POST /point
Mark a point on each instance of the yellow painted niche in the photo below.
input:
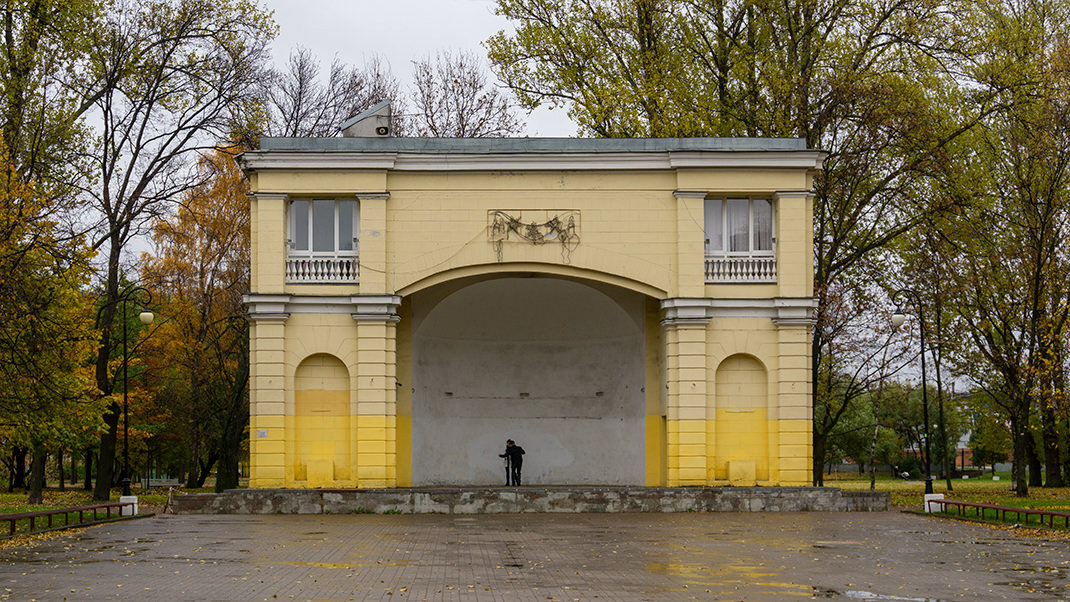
(321, 437)
(740, 429)
(320, 425)
(741, 447)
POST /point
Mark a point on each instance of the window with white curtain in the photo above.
(739, 226)
(324, 226)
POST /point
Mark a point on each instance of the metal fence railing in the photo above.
(34, 522)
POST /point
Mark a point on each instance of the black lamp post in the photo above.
(898, 317)
(146, 318)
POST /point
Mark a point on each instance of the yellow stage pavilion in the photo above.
(630, 311)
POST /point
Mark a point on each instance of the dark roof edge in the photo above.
(531, 145)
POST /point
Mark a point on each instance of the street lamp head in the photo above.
(146, 317)
(898, 317)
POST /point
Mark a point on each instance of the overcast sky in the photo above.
(399, 31)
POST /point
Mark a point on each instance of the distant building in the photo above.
(630, 311)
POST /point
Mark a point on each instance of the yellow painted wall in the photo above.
(404, 401)
(628, 230)
(631, 226)
(655, 412)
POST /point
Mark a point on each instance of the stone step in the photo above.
(483, 500)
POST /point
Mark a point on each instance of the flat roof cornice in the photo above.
(484, 154)
(529, 145)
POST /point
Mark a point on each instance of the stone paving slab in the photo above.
(540, 557)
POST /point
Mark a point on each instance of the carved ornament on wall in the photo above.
(536, 227)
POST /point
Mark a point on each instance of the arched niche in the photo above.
(741, 421)
(322, 433)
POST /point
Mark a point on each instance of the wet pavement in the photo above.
(541, 557)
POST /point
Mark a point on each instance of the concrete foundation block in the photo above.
(556, 500)
(933, 507)
(129, 510)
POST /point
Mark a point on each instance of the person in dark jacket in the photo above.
(515, 453)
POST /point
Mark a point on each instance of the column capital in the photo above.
(795, 311)
(376, 308)
(268, 196)
(361, 307)
(266, 308)
(690, 194)
(685, 311)
(783, 311)
(806, 195)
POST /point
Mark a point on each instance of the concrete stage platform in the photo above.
(496, 500)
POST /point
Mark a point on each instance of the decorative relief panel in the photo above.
(536, 227)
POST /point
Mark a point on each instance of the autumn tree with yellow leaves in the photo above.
(47, 335)
(200, 353)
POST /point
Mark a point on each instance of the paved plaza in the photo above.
(540, 557)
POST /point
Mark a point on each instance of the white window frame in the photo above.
(291, 241)
(722, 202)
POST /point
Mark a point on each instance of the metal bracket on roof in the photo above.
(374, 122)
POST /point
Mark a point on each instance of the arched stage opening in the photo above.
(554, 363)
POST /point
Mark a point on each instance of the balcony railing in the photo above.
(722, 269)
(330, 269)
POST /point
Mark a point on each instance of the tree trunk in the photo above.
(88, 485)
(206, 468)
(194, 461)
(105, 319)
(1021, 484)
(945, 452)
(1035, 477)
(819, 460)
(74, 468)
(9, 464)
(1053, 470)
(106, 457)
(37, 475)
(19, 455)
(59, 469)
(819, 437)
(227, 473)
(1066, 464)
(233, 433)
(873, 443)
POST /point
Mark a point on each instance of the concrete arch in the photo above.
(322, 433)
(554, 363)
(741, 419)
(548, 269)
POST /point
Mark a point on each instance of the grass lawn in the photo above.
(910, 493)
(54, 499)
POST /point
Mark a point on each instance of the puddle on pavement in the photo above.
(755, 578)
(863, 595)
(348, 565)
(700, 574)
